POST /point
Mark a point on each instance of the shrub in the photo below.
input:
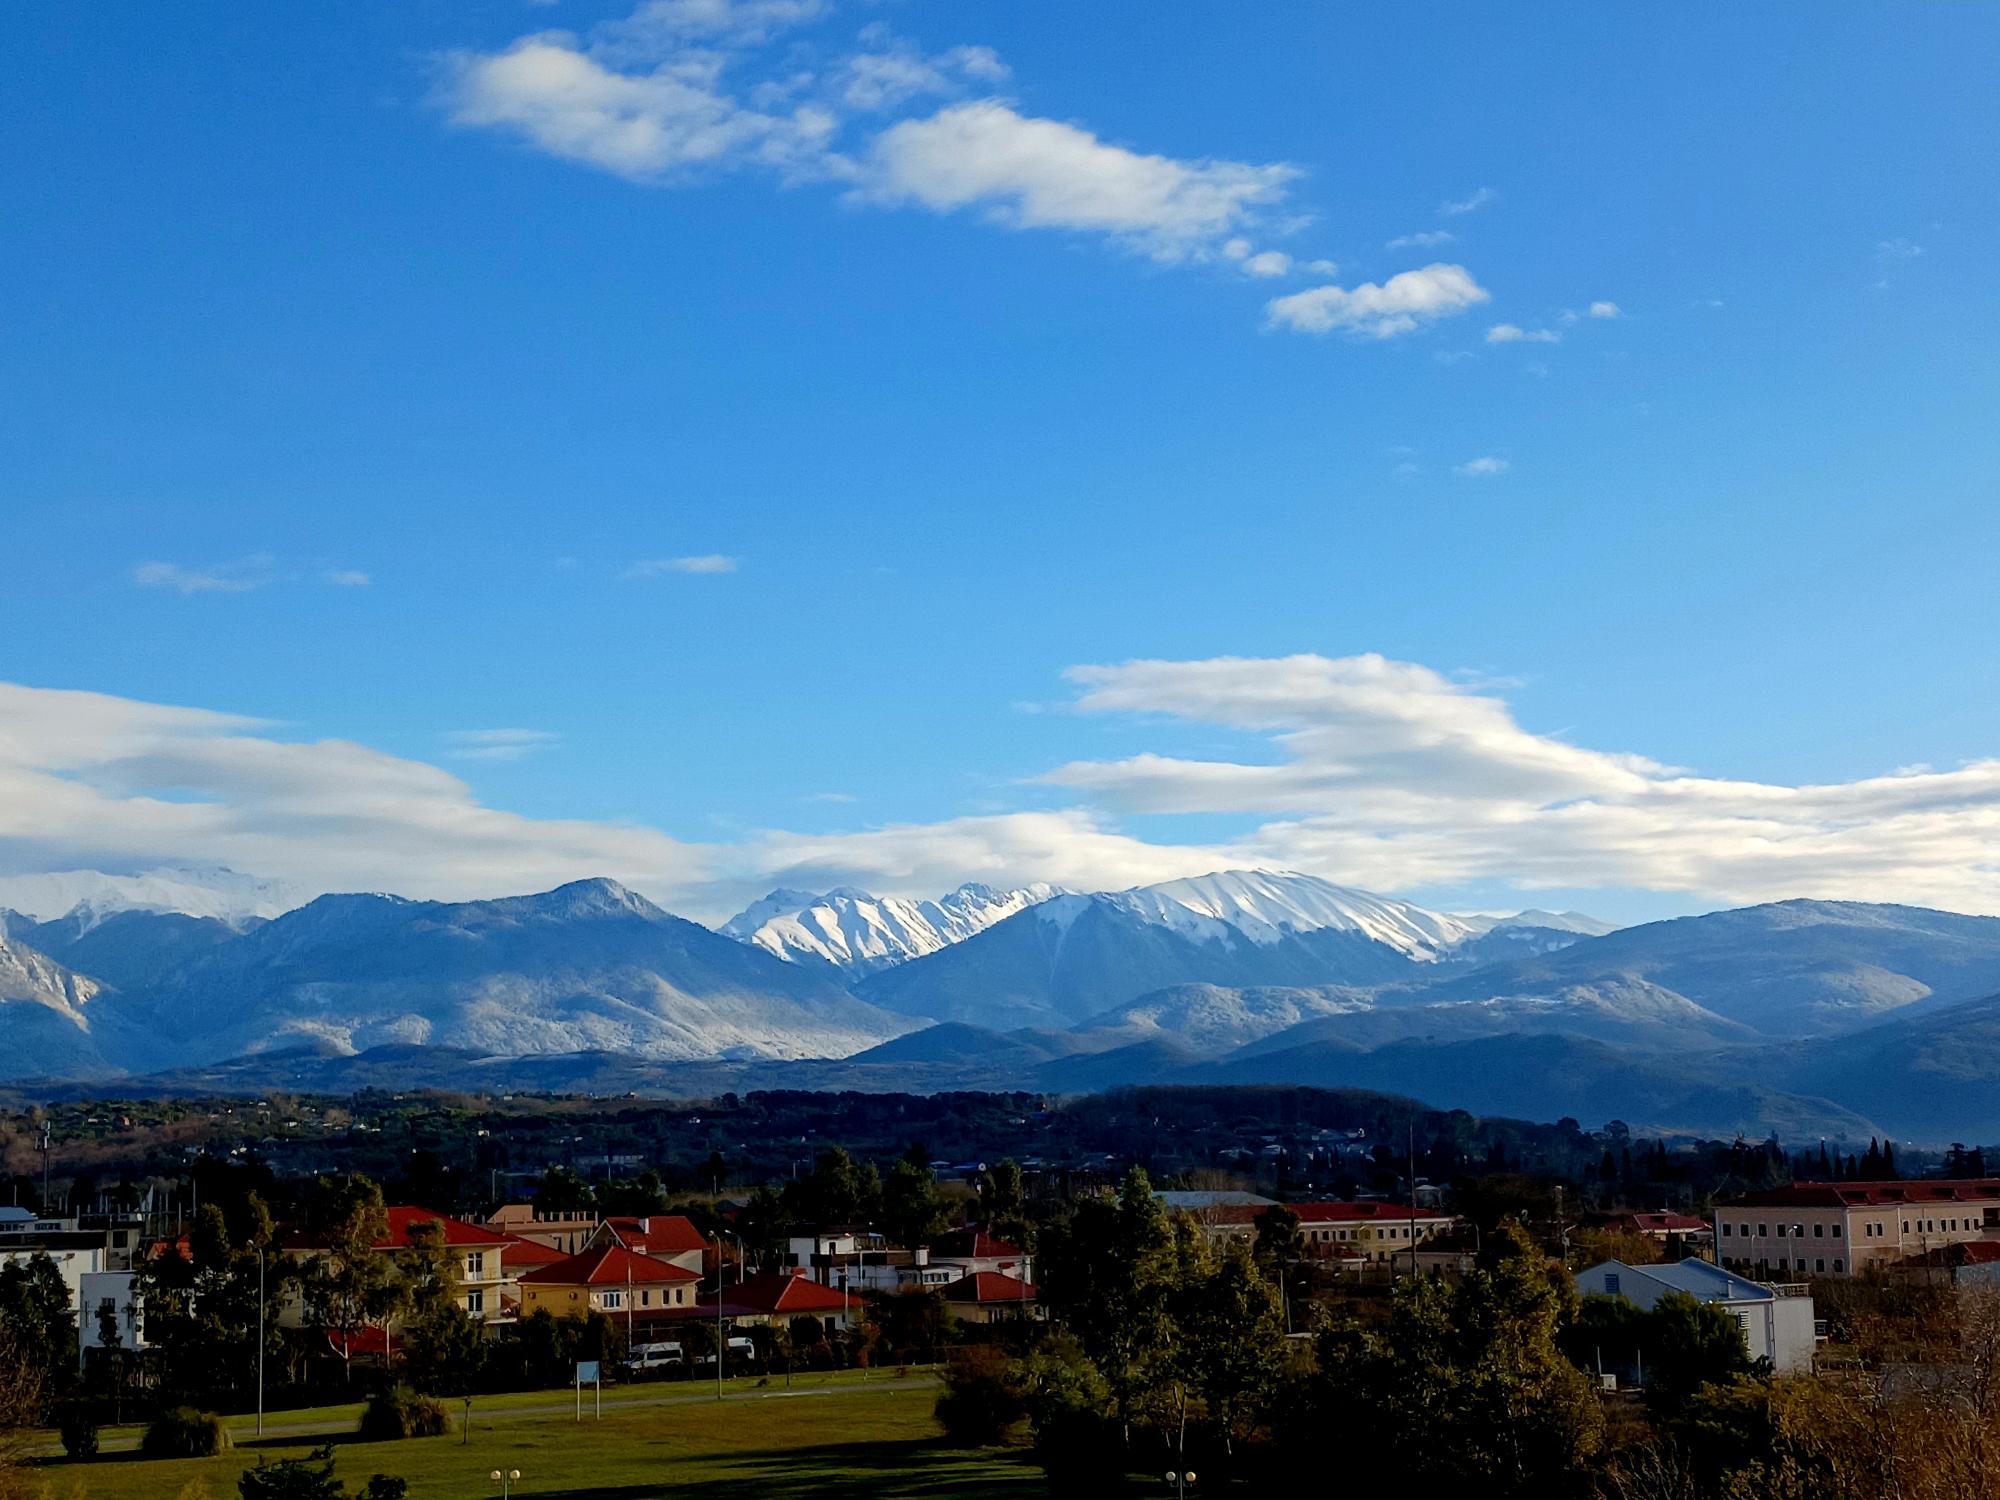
(981, 1398)
(79, 1431)
(292, 1479)
(401, 1413)
(385, 1487)
(185, 1433)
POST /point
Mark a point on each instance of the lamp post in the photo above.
(506, 1479)
(260, 1341)
(719, 1347)
(1180, 1479)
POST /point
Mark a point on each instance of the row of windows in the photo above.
(1797, 1263)
(1796, 1231)
(614, 1299)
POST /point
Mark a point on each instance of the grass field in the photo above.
(830, 1436)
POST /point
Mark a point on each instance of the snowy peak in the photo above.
(1580, 923)
(1266, 907)
(857, 933)
(195, 890)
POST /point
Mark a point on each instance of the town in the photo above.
(1260, 1269)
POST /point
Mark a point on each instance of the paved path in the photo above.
(679, 1393)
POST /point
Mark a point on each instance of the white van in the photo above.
(644, 1357)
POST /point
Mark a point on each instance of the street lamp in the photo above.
(1180, 1480)
(260, 1341)
(506, 1481)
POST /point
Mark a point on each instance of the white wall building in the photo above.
(1777, 1324)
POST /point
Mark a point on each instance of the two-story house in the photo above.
(1843, 1228)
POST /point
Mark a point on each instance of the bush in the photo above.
(385, 1487)
(185, 1433)
(400, 1413)
(981, 1397)
(79, 1431)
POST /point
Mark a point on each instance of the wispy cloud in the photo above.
(348, 578)
(1424, 240)
(1481, 468)
(1402, 304)
(1513, 333)
(1029, 173)
(1605, 310)
(1897, 249)
(239, 577)
(1374, 772)
(683, 89)
(661, 567)
(498, 744)
(1477, 200)
(839, 797)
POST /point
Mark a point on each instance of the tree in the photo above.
(1467, 1385)
(911, 1211)
(427, 1269)
(1106, 1275)
(1689, 1344)
(350, 1285)
(561, 1191)
(35, 1312)
(444, 1349)
(1230, 1345)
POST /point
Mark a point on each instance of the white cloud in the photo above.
(1394, 776)
(1604, 310)
(498, 744)
(1513, 333)
(1425, 240)
(659, 24)
(660, 567)
(1481, 468)
(348, 578)
(900, 71)
(1897, 249)
(1478, 200)
(1375, 772)
(238, 577)
(670, 118)
(1030, 173)
(1269, 263)
(1401, 304)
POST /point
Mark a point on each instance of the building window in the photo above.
(612, 1299)
(1761, 1231)
(1839, 1266)
(1836, 1231)
(645, 1299)
(1819, 1231)
(475, 1263)
(475, 1302)
(1819, 1265)
(1610, 1283)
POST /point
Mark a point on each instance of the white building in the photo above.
(1777, 1323)
(113, 1292)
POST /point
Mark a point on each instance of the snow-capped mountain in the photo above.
(1266, 907)
(855, 933)
(1580, 923)
(196, 890)
(1071, 957)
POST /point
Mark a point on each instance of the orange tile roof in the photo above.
(792, 1292)
(608, 1265)
(989, 1286)
(458, 1234)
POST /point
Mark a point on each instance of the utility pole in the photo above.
(1413, 1195)
(718, 1315)
(260, 1341)
(45, 1145)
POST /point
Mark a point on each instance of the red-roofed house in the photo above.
(608, 1279)
(990, 1297)
(972, 1252)
(1970, 1263)
(479, 1251)
(1841, 1228)
(778, 1297)
(1351, 1233)
(669, 1237)
(1665, 1226)
(567, 1232)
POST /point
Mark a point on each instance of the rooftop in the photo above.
(608, 1265)
(1872, 1194)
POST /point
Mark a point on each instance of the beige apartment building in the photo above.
(1844, 1228)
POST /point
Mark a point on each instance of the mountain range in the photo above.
(1810, 1017)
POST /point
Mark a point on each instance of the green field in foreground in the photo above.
(844, 1439)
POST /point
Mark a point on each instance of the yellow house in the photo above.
(609, 1279)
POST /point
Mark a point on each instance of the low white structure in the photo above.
(1777, 1323)
(109, 1292)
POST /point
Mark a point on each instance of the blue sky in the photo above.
(760, 408)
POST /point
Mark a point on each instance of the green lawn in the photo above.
(835, 1438)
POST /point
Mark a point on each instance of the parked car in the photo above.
(654, 1359)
